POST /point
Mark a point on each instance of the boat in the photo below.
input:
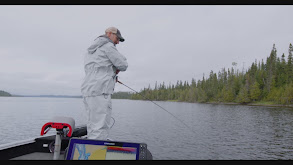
(57, 147)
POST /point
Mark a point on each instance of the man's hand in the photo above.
(117, 71)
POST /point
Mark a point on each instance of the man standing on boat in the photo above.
(102, 63)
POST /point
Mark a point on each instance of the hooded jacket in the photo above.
(100, 64)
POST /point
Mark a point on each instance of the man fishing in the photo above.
(102, 63)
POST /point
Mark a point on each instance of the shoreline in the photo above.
(267, 104)
(247, 104)
(254, 104)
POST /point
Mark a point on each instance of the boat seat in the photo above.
(59, 122)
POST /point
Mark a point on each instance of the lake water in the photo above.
(219, 131)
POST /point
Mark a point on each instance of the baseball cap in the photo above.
(115, 31)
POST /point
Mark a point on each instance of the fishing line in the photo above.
(113, 122)
(158, 106)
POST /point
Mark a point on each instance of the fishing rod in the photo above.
(158, 106)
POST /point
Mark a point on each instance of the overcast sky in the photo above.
(42, 47)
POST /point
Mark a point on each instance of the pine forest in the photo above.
(266, 82)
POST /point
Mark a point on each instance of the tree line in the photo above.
(270, 81)
(121, 95)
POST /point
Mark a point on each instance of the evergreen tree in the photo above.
(228, 94)
(290, 65)
(243, 95)
(255, 91)
(287, 94)
(270, 67)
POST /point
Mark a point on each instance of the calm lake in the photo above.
(221, 131)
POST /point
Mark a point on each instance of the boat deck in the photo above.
(38, 156)
(39, 148)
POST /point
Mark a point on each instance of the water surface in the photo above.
(218, 131)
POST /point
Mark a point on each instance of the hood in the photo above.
(99, 42)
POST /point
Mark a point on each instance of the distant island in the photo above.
(61, 96)
(5, 94)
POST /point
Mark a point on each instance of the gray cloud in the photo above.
(42, 47)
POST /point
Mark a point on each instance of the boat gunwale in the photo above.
(17, 143)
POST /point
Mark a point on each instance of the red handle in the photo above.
(57, 126)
